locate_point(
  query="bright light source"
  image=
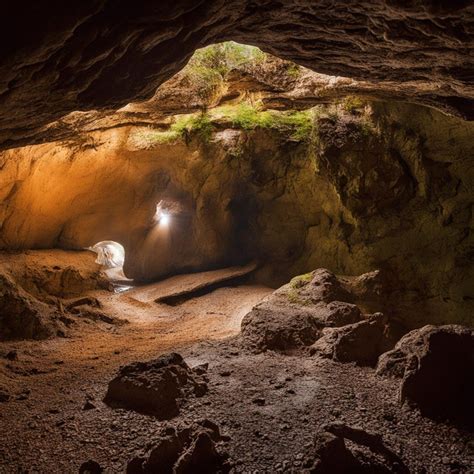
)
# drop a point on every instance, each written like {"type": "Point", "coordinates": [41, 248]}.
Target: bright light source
{"type": "Point", "coordinates": [164, 218]}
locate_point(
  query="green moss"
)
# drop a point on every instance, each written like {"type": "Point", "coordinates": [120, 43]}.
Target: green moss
{"type": "Point", "coordinates": [293, 70]}
{"type": "Point", "coordinates": [352, 104]}
{"type": "Point", "coordinates": [184, 126]}
{"type": "Point", "coordinates": [301, 124]}
{"type": "Point", "coordinates": [301, 280]}
{"type": "Point", "coordinates": [187, 125]}
{"type": "Point", "coordinates": [298, 125]}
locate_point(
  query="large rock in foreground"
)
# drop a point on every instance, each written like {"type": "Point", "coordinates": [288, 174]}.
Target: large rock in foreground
{"type": "Point", "coordinates": [185, 450]}
{"type": "Point", "coordinates": [155, 387]}
{"type": "Point", "coordinates": [294, 315]}
{"type": "Point", "coordinates": [436, 365]}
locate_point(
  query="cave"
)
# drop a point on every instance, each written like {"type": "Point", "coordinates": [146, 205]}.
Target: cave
{"type": "Point", "coordinates": [237, 237]}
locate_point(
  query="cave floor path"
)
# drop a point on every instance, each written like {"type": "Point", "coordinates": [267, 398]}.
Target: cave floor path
{"type": "Point", "coordinates": [51, 380]}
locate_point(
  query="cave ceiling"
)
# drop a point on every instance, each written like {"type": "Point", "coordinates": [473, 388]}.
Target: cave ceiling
{"type": "Point", "coordinates": [58, 57]}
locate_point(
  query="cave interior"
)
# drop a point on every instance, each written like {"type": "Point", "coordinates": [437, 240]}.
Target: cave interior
{"type": "Point", "coordinates": [237, 237]}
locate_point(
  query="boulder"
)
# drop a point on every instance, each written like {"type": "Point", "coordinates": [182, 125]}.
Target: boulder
{"type": "Point", "coordinates": [294, 315]}
{"type": "Point", "coordinates": [361, 342]}
{"type": "Point", "coordinates": [187, 450]}
{"type": "Point", "coordinates": [436, 365]}
{"type": "Point", "coordinates": [155, 387]}
{"type": "Point", "coordinates": [281, 329]}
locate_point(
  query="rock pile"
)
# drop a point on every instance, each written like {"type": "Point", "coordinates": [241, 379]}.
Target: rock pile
{"type": "Point", "coordinates": [187, 450]}
{"type": "Point", "coordinates": [317, 307]}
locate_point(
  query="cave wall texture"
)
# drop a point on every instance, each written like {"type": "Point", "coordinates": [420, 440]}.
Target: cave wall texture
{"type": "Point", "coordinates": [57, 57]}
{"type": "Point", "coordinates": [387, 189]}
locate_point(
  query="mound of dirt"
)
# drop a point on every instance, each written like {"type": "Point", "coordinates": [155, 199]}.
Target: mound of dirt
{"type": "Point", "coordinates": [436, 365]}
{"type": "Point", "coordinates": [185, 450]}
{"type": "Point", "coordinates": [155, 387]}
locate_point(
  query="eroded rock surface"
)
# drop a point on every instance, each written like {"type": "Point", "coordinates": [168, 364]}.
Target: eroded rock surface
{"type": "Point", "coordinates": [361, 342]}
{"type": "Point", "coordinates": [294, 315]}
{"type": "Point", "coordinates": [21, 314]}
{"type": "Point", "coordinates": [33, 285]}
{"type": "Point", "coordinates": [155, 387]}
{"type": "Point", "coordinates": [435, 365]}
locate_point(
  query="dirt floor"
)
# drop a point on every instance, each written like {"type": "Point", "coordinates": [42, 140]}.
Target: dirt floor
{"type": "Point", "coordinates": [269, 405]}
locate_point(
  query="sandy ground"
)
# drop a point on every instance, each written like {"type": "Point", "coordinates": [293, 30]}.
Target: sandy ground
{"type": "Point", "coordinates": [52, 379]}
{"type": "Point", "coordinates": [270, 405]}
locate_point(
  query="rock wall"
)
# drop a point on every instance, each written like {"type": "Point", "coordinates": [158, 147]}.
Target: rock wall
{"type": "Point", "coordinates": [384, 186]}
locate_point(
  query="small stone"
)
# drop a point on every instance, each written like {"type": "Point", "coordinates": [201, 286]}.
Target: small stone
{"type": "Point", "coordinates": [23, 395]}
{"type": "Point", "coordinates": [225, 373]}
{"type": "Point", "coordinates": [259, 401]}
{"type": "Point", "coordinates": [201, 369]}
{"type": "Point", "coordinates": [12, 355]}
{"type": "Point", "coordinates": [88, 405]}
{"type": "Point", "coordinates": [4, 395]}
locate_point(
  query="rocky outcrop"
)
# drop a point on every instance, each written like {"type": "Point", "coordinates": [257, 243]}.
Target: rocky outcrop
{"type": "Point", "coordinates": [155, 387]}
{"type": "Point", "coordinates": [33, 286]}
{"type": "Point", "coordinates": [185, 450]}
{"type": "Point", "coordinates": [435, 365]}
{"type": "Point", "coordinates": [295, 315]}
{"type": "Point", "coordinates": [104, 54]}
{"type": "Point", "coordinates": [22, 316]}
{"type": "Point", "coordinates": [55, 273]}
{"type": "Point", "coordinates": [361, 342]}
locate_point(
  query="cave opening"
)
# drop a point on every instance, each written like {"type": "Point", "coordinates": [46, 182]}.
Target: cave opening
{"type": "Point", "coordinates": [303, 240]}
